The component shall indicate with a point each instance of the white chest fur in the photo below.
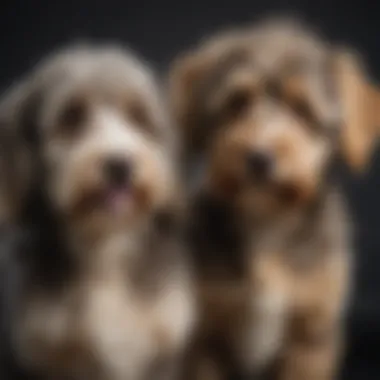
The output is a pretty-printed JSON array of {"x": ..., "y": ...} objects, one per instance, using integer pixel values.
[
  {"x": 104, "y": 322},
  {"x": 268, "y": 309},
  {"x": 264, "y": 333}
]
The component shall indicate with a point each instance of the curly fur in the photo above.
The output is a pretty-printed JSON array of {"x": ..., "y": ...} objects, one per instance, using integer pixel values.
[
  {"x": 272, "y": 254},
  {"x": 96, "y": 281}
]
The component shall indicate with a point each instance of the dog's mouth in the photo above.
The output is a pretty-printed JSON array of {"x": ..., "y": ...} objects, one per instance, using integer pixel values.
[
  {"x": 286, "y": 193},
  {"x": 118, "y": 199},
  {"x": 114, "y": 200},
  {"x": 289, "y": 193},
  {"x": 259, "y": 188}
]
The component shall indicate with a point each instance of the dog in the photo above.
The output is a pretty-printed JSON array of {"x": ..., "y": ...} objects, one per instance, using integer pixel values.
[
  {"x": 268, "y": 113},
  {"x": 95, "y": 280}
]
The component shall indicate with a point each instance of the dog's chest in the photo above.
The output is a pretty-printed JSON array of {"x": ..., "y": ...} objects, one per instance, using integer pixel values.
[
  {"x": 245, "y": 306},
  {"x": 267, "y": 314},
  {"x": 104, "y": 325},
  {"x": 250, "y": 317},
  {"x": 132, "y": 333},
  {"x": 246, "y": 309}
]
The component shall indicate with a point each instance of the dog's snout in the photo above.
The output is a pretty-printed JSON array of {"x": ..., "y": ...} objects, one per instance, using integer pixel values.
[
  {"x": 259, "y": 164},
  {"x": 118, "y": 171}
]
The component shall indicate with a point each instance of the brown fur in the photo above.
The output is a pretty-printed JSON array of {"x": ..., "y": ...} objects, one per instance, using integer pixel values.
[
  {"x": 124, "y": 304},
  {"x": 273, "y": 255}
]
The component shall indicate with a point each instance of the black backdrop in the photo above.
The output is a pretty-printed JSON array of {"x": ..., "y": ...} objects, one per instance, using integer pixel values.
[{"x": 160, "y": 29}]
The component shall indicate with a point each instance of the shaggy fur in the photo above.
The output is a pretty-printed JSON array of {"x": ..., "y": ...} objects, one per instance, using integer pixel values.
[
  {"x": 95, "y": 278},
  {"x": 268, "y": 112}
]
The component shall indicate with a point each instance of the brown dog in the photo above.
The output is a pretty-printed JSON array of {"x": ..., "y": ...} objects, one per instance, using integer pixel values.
[{"x": 268, "y": 111}]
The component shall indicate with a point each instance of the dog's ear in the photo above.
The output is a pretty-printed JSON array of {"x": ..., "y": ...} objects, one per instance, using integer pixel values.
[
  {"x": 186, "y": 75},
  {"x": 190, "y": 72},
  {"x": 18, "y": 110},
  {"x": 360, "y": 105}
]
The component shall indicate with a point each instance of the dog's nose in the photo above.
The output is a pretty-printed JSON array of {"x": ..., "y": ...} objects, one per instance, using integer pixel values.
[
  {"x": 259, "y": 164},
  {"x": 118, "y": 171}
]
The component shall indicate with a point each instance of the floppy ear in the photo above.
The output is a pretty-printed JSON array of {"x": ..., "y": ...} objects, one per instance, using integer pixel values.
[
  {"x": 17, "y": 117},
  {"x": 360, "y": 103},
  {"x": 190, "y": 72},
  {"x": 187, "y": 72}
]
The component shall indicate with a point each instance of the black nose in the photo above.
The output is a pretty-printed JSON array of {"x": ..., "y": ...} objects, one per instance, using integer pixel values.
[
  {"x": 259, "y": 164},
  {"x": 118, "y": 171}
]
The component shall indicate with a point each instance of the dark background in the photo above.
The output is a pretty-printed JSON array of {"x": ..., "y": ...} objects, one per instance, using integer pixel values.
[{"x": 160, "y": 29}]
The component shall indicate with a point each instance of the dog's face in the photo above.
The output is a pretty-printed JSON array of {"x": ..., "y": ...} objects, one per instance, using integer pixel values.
[
  {"x": 265, "y": 109},
  {"x": 273, "y": 129},
  {"x": 98, "y": 136}
]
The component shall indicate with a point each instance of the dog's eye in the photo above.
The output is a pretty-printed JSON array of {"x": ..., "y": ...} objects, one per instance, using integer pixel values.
[
  {"x": 274, "y": 90},
  {"x": 73, "y": 117},
  {"x": 302, "y": 109},
  {"x": 138, "y": 114},
  {"x": 237, "y": 103}
]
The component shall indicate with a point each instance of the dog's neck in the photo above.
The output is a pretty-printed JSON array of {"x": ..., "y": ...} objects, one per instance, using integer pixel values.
[
  {"x": 60, "y": 250},
  {"x": 221, "y": 237}
]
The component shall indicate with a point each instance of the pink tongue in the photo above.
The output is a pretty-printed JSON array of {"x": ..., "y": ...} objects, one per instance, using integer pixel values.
[{"x": 117, "y": 200}]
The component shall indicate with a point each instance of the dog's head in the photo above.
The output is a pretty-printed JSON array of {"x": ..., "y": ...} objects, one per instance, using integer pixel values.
[
  {"x": 87, "y": 130},
  {"x": 268, "y": 108}
]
